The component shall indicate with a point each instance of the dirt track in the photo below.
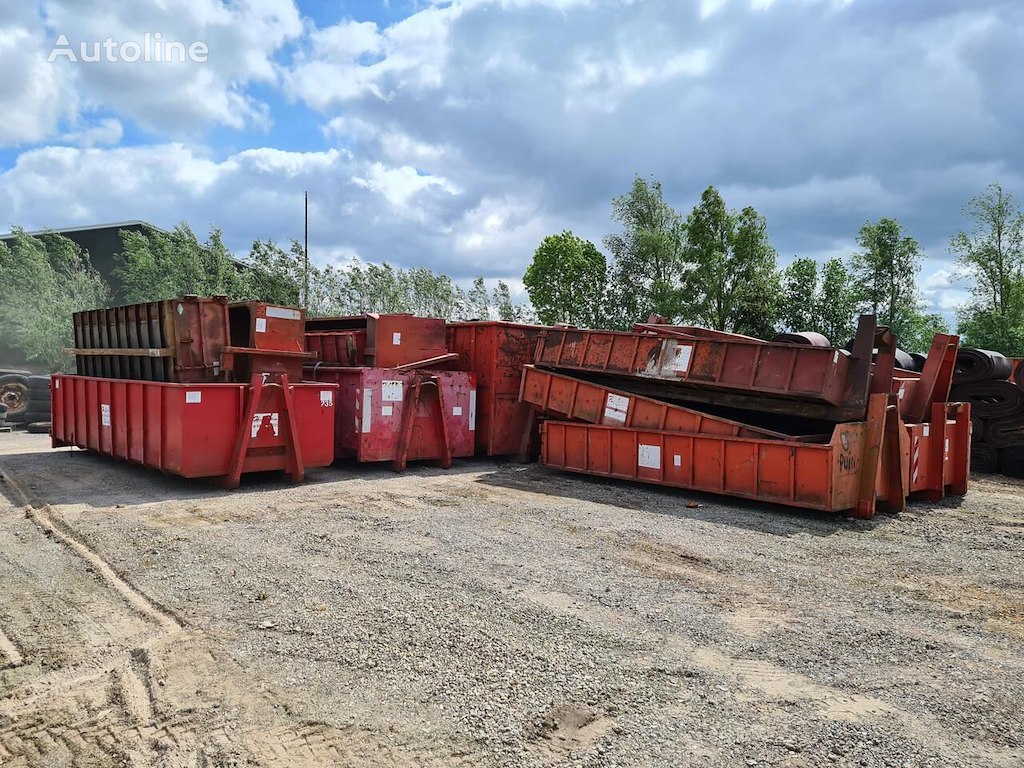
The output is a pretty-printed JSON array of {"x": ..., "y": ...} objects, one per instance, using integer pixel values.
[{"x": 495, "y": 615}]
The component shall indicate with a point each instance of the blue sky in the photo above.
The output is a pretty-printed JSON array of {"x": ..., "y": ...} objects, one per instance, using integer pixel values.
[{"x": 455, "y": 135}]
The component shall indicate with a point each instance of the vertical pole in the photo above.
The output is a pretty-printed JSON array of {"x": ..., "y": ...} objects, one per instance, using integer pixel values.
[{"x": 305, "y": 252}]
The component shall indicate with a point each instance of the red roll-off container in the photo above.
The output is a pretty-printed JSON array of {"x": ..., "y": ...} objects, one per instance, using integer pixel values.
[{"x": 198, "y": 430}]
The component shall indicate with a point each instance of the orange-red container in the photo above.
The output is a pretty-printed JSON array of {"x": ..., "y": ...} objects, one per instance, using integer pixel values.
[
  {"x": 398, "y": 416},
  {"x": 376, "y": 341},
  {"x": 496, "y": 352},
  {"x": 198, "y": 430}
]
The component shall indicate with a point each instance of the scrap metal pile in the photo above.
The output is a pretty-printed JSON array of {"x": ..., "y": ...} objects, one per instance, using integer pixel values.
[
  {"x": 791, "y": 423},
  {"x": 994, "y": 386},
  {"x": 204, "y": 388}
]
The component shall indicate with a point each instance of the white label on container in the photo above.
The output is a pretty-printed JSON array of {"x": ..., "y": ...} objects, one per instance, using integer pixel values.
[
  {"x": 56, "y": 383},
  {"x": 947, "y": 445},
  {"x": 391, "y": 391},
  {"x": 387, "y": 410},
  {"x": 396, "y": 339},
  {"x": 902, "y": 392},
  {"x": 258, "y": 419},
  {"x": 261, "y": 325},
  {"x": 926, "y": 430},
  {"x": 284, "y": 313},
  {"x": 457, "y": 410},
  {"x": 105, "y": 414},
  {"x": 367, "y": 409},
  {"x": 649, "y": 456},
  {"x": 835, "y": 357},
  {"x": 683, "y": 353},
  {"x": 677, "y": 460},
  {"x": 193, "y": 397},
  {"x": 326, "y": 398},
  {"x": 615, "y": 408},
  {"x": 181, "y": 309},
  {"x": 472, "y": 410}
]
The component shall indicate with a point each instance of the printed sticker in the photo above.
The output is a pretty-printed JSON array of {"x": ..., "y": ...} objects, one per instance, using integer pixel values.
[
  {"x": 649, "y": 456},
  {"x": 677, "y": 460},
  {"x": 472, "y": 410},
  {"x": 926, "y": 430},
  {"x": 457, "y": 410},
  {"x": 396, "y": 339},
  {"x": 257, "y": 423},
  {"x": 284, "y": 313},
  {"x": 615, "y": 409},
  {"x": 326, "y": 398},
  {"x": 261, "y": 325},
  {"x": 683, "y": 353},
  {"x": 387, "y": 410},
  {"x": 193, "y": 397},
  {"x": 391, "y": 391},
  {"x": 105, "y": 415},
  {"x": 367, "y": 409}
]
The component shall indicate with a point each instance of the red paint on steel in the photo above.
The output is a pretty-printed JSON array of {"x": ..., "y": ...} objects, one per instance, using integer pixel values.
[
  {"x": 376, "y": 341},
  {"x": 566, "y": 397},
  {"x": 496, "y": 353},
  {"x": 198, "y": 429},
  {"x": 266, "y": 339},
  {"x": 783, "y": 378},
  {"x": 346, "y": 348},
  {"x": 375, "y": 403}
]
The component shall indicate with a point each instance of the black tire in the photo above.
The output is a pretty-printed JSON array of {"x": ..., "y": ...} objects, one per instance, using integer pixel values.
[
  {"x": 39, "y": 384},
  {"x": 39, "y": 428},
  {"x": 14, "y": 394},
  {"x": 35, "y": 414}
]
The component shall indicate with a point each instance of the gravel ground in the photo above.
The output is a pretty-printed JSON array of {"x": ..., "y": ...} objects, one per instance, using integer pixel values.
[{"x": 495, "y": 615}]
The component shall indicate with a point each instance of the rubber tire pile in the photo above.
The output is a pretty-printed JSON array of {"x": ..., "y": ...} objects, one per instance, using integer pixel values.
[
  {"x": 994, "y": 386},
  {"x": 27, "y": 400}
]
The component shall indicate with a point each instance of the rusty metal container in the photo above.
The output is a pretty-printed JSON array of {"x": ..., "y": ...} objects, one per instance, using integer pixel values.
[
  {"x": 190, "y": 339},
  {"x": 496, "y": 353},
  {"x": 399, "y": 416},
  {"x": 376, "y": 340},
  {"x": 723, "y": 369},
  {"x": 561, "y": 396},
  {"x": 198, "y": 429},
  {"x": 174, "y": 340},
  {"x": 880, "y": 461}
]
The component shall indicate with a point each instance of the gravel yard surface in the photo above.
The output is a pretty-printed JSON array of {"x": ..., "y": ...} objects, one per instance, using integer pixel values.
[{"x": 495, "y": 615}]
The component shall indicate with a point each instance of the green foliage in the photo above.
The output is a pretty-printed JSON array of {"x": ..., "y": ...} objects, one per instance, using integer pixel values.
[
  {"x": 506, "y": 309},
  {"x": 157, "y": 265},
  {"x": 731, "y": 282},
  {"x": 885, "y": 274},
  {"x": 276, "y": 275},
  {"x": 992, "y": 255},
  {"x": 43, "y": 280},
  {"x": 917, "y": 333},
  {"x": 823, "y": 302},
  {"x": 648, "y": 258},
  {"x": 566, "y": 281}
]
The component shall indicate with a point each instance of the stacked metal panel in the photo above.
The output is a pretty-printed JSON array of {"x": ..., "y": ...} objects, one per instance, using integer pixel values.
[{"x": 791, "y": 423}]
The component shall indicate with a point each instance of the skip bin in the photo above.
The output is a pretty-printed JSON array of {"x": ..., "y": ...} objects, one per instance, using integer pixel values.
[
  {"x": 377, "y": 341},
  {"x": 198, "y": 430},
  {"x": 496, "y": 353},
  {"x": 399, "y": 416}
]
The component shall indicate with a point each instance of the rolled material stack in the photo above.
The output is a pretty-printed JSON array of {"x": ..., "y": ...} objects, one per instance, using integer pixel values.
[{"x": 991, "y": 383}]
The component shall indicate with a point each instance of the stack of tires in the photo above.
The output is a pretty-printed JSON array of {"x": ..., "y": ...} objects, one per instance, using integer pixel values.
[{"x": 27, "y": 399}]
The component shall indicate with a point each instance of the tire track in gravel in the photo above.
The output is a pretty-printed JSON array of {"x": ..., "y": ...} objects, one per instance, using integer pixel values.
[
  {"x": 9, "y": 650},
  {"x": 42, "y": 516}
]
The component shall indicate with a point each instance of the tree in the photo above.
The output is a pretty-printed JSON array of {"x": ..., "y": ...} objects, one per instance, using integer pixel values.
[
  {"x": 648, "y": 256},
  {"x": 478, "y": 301},
  {"x": 156, "y": 265},
  {"x": 799, "y": 310},
  {"x": 836, "y": 304},
  {"x": 885, "y": 274},
  {"x": 275, "y": 275},
  {"x": 992, "y": 255},
  {"x": 43, "y": 281},
  {"x": 505, "y": 308},
  {"x": 566, "y": 281},
  {"x": 731, "y": 282}
]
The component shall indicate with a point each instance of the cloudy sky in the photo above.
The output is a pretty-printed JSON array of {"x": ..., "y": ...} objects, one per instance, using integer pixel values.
[{"x": 457, "y": 134}]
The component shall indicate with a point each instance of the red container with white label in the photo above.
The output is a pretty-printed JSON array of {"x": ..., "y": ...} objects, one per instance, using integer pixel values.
[
  {"x": 398, "y": 416},
  {"x": 198, "y": 430}
]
